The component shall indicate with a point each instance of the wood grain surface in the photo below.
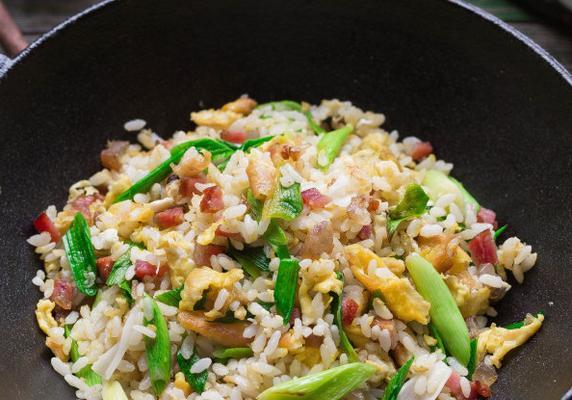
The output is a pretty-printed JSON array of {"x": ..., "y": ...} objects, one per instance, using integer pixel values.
[{"x": 35, "y": 17}]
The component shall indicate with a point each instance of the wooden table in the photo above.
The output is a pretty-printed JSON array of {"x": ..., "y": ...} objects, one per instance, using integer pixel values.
[{"x": 38, "y": 16}]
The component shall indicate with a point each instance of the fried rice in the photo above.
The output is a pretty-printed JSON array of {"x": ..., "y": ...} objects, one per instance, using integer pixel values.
[{"x": 191, "y": 252}]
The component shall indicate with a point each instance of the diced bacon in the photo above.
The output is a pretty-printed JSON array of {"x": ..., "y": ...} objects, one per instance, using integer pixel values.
[
  {"x": 314, "y": 341},
  {"x": 82, "y": 204},
  {"x": 104, "y": 266},
  {"x": 487, "y": 216},
  {"x": 212, "y": 200},
  {"x": 296, "y": 313},
  {"x": 314, "y": 199},
  {"x": 373, "y": 205},
  {"x": 483, "y": 249},
  {"x": 365, "y": 232},
  {"x": 44, "y": 224},
  {"x": 187, "y": 186},
  {"x": 63, "y": 293},
  {"x": 349, "y": 310},
  {"x": 482, "y": 389},
  {"x": 110, "y": 156},
  {"x": 421, "y": 150},
  {"x": 202, "y": 254},
  {"x": 144, "y": 268},
  {"x": 319, "y": 240},
  {"x": 230, "y": 235},
  {"x": 454, "y": 386},
  {"x": 169, "y": 218},
  {"x": 237, "y": 137}
]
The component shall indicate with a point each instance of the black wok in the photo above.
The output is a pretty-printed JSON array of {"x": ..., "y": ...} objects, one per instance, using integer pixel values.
[{"x": 490, "y": 101}]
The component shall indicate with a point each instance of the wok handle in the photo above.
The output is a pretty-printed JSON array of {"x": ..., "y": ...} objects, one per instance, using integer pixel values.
[{"x": 11, "y": 38}]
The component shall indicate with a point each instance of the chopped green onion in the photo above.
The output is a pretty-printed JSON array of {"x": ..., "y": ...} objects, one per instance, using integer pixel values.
[
  {"x": 274, "y": 234},
  {"x": 473, "y": 359},
  {"x": 80, "y": 254},
  {"x": 158, "y": 350},
  {"x": 330, "y": 145},
  {"x": 438, "y": 338},
  {"x": 197, "y": 381},
  {"x": 252, "y": 259},
  {"x": 277, "y": 239},
  {"x": 318, "y": 130},
  {"x": 466, "y": 195},
  {"x": 222, "y": 355},
  {"x": 171, "y": 297},
  {"x": 219, "y": 150},
  {"x": 89, "y": 376},
  {"x": 285, "y": 287},
  {"x": 113, "y": 391},
  {"x": 117, "y": 274},
  {"x": 499, "y": 231},
  {"x": 519, "y": 324},
  {"x": 285, "y": 203},
  {"x": 250, "y": 143},
  {"x": 445, "y": 314},
  {"x": 266, "y": 304},
  {"x": 245, "y": 147},
  {"x": 120, "y": 266},
  {"x": 438, "y": 184},
  {"x": 396, "y": 382},
  {"x": 413, "y": 204},
  {"x": 337, "y": 310},
  {"x": 282, "y": 105},
  {"x": 254, "y": 204},
  {"x": 331, "y": 384}
]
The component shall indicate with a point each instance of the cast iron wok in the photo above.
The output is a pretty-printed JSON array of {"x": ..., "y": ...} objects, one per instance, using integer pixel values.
[{"x": 488, "y": 99}]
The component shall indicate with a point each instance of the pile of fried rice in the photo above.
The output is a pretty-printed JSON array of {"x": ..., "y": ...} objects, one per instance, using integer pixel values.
[{"x": 184, "y": 226}]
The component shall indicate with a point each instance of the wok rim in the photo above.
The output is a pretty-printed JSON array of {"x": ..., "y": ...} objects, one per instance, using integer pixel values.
[{"x": 538, "y": 50}]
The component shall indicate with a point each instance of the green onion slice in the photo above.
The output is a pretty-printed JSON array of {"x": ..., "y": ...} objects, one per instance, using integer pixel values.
[
  {"x": 158, "y": 350},
  {"x": 252, "y": 259},
  {"x": 445, "y": 314},
  {"x": 198, "y": 380},
  {"x": 222, "y": 355},
  {"x": 81, "y": 256},
  {"x": 396, "y": 382},
  {"x": 413, "y": 204},
  {"x": 331, "y": 384},
  {"x": 286, "y": 287},
  {"x": 330, "y": 145}
]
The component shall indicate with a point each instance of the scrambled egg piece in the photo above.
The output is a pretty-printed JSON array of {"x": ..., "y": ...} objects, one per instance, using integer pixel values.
[
  {"x": 44, "y": 316},
  {"x": 357, "y": 254},
  {"x": 444, "y": 253},
  {"x": 243, "y": 105},
  {"x": 207, "y": 236},
  {"x": 181, "y": 384},
  {"x": 179, "y": 270},
  {"x": 217, "y": 119},
  {"x": 499, "y": 341},
  {"x": 130, "y": 216},
  {"x": 56, "y": 348},
  {"x": 201, "y": 279},
  {"x": 471, "y": 297},
  {"x": 398, "y": 293},
  {"x": 355, "y": 335},
  {"x": 116, "y": 188},
  {"x": 317, "y": 278}
]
